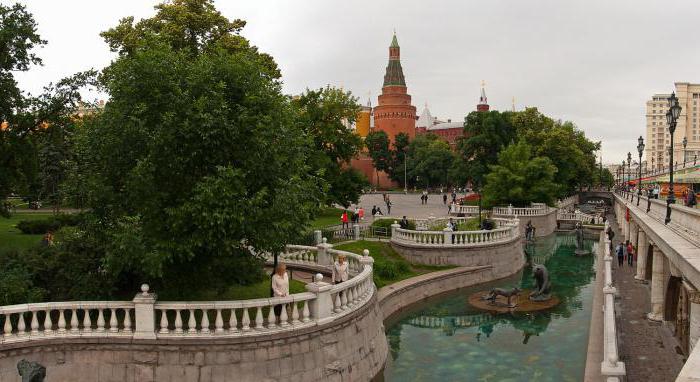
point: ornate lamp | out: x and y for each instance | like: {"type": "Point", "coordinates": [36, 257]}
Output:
{"type": "Point", "coordinates": [674, 111]}
{"type": "Point", "coordinates": [640, 149]}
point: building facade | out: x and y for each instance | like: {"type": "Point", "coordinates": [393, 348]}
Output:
{"type": "Point", "coordinates": [658, 139]}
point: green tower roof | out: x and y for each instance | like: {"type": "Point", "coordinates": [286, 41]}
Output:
{"type": "Point", "coordinates": [394, 42]}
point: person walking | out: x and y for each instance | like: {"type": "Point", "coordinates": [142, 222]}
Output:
{"type": "Point", "coordinates": [404, 223]}
{"type": "Point", "coordinates": [610, 234]}
{"type": "Point", "coordinates": [444, 199]}
{"type": "Point", "coordinates": [630, 254]}
{"type": "Point", "coordinates": [388, 206]}
{"type": "Point", "coordinates": [620, 255]}
{"type": "Point", "coordinates": [361, 213]}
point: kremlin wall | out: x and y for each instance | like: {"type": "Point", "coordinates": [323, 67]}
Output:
{"type": "Point", "coordinates": [395, 114]}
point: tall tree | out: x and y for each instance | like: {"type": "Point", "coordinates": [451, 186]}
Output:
{"type": "Point", "coordinates": [519, 178]}
{"type": "Point", "coordinates": [326, 116]}
{"type": "Point", "coordinates": [377, 143]}
{"type": "Point", "coordinates": [431, 159]}
{"type": "Point", "coordinates": [485, 135]}
{"type": "Point", "coordinates": [197, 157]}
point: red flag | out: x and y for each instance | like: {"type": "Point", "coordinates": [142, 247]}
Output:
{"type": "Point", "coordinates": [627, 214]}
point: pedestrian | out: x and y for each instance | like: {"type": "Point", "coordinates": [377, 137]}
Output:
{"type": "Point", "coordinates": [454, 197]}
{"type": "Point", "coordinates": [691, 200]}
{"type": "Point", "coordinates": [280, 285]}
{"type": "Point", "coordinates": [388, 206]}
{"type": "Point", "coordinates": [620, 255]}
{"type": "Point", "coordinates": [444, 199]}
{"type": "Point", "coordinates": [340, 270]}
{"type": "Point", "coordinates": [630, 254]}
{"type": "Point", "coordinates": [426, 197]}
{"type": "Point", "coordinates": [404, 223]}
{"type": "Point", "coordinates": [361, 213]}
{"type": "Point", "coordinates": [610, 234]}
{"type": "Point", "coordinates": [374, 210]}
{"type": "Point", "coordinates": [344, 219]}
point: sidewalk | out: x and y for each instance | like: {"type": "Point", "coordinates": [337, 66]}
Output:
{"type": "Point", "coordinates": [649, 349]}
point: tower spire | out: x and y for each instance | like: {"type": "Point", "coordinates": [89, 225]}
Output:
{"type": "Point", "coordinates": [483, 104]}
{"type": "Point", "coordinates": [394, 72]}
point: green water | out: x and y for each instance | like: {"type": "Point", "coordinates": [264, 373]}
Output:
{"type": "Point", "coordinates": [445, 339]}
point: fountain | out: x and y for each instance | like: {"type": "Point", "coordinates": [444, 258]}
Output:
{"type": "Point", "coordinates": [515, 300]}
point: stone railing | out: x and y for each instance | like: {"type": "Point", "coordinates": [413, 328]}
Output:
{"type": "Point", "coordinates": [567, 202]}
{"type": "Point", "coordinates": [685, 221]}
{"type": "Point", "coordinates": [147, 318]}
{"type": "Point", "coordinates": [507, 229]}
{"type": "Point", "coordinates": [456, 209]}
{"type": "Point", "coordinates": [425, 224]}
{"type": "Point", "coordinates": [579, 216]}
{"type": "Point", "coordinates": [535, 210]}
{"type": "Point", "coordinates": [80, 319]}
{"type": "Point", "coordinates": [611, 366]}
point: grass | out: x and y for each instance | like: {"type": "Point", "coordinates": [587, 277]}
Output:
{"type": "Point", "coordinates": [12, 238]}
{"type": "Point", "coordinates": [240, 292]}
{"type": "Point", "coordinates": [389, 266]}
{"type": "Point", "coordinates": [327, 216]}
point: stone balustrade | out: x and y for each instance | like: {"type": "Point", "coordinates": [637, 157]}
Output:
{"type": "Point", "coordinates": [568, 202]}
{"type": "Point", "coordinates": [26, 322]}
{"type": "Point", "coordinates": [579, 216]}
{"type": "Point", "coordinates": [536, 210]}
{"type": "Point", "coordinates": [685, 221]}
{"type": "Point", "coordinates": [611, 366]}
{"type": "Point", "coordinates": [146, 318]}
{"type": "Point", "coordinates": [456, 209]}
{"type": "Point", "coordinates": [507, 230]}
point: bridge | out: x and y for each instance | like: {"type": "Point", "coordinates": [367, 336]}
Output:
{"type": "Point", "coordinates": [668, 258]}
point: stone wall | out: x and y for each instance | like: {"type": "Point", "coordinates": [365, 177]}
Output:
{"type": "Point", "coordinates": [544, 224]}
{"type": "Point", "coordinates": [351, 348]}
{"type": "Point", "coordinates": [504, 258]}
{"type": "Point", "coordinates": [396, 297]}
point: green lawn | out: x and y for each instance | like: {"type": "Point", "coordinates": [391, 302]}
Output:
{"type": "Point", "coordinates": [327, 216]}
{"type": "Point", "coordinates": [12, 238]}
{"type": "Point", "coordinates": [389, 266]}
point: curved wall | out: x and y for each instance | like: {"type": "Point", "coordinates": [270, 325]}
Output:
{"type": "Point", "coordinates": [544, 224]}
{"type": "Point", "coordinates": [352, 348]}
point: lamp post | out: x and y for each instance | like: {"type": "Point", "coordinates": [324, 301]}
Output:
{"type": "Point", "coordinates": [674, 111]}
{"type": "Point", "coordinates": [622, 180]}
{"type": "Point", "coordinates": [685, 144]}
{"type": "Point", "coordinates": [640, 149]}
{"type": "Point", "coordinates": [629, 170]}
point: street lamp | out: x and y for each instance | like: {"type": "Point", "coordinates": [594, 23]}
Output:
{"type": "Point", "coordinates": [640, 149]}
{"type": "Point", "coordinates": [629, 170]}
{"type": "Point", "coordinates": [622, 179]}
{"type": "Point", "coordinates": [685, 144]}
{"type": "Point", "coordinates": [674, 111]}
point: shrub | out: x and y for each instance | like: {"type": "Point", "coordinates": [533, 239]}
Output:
{"type": "Point", "coordinates": [53, 223]}
{"type": "Point", "coordinates": [386, 223]}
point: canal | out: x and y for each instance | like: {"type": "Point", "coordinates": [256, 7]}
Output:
{"type": "Point", "coordinates": [445, 339]}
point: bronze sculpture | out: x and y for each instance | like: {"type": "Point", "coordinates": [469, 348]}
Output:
{"type": "Point", "coordinates": [543, 285]}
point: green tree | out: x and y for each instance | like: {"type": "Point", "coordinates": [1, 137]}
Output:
{"type": "Point", "coordinates": [399, 154]}
{"type": "Point", "coordinates": [377, 143]}
{"type": "Point", "coordinates": [197, 157]}
{"type": "Point", "coordinates": [325, 115]}
{"type": "Point", "coordinates": [431, 160]}
{"type": "Point", "coordinates": [520, 178]}
{"type": "Point", "coordinates": [485, 135]}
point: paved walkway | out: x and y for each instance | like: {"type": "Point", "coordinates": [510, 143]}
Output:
{"type": "Point", "coordinates": [409, 205]}
{"type": "Point", "coordinates": [649, 350]}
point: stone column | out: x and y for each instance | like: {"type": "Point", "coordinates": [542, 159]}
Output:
{"type": "Point", "coordinates": [321, 307]}
{"type": "Point", "coordinates": [633, 233]}
{"type": "Point", "coordinates": [694, 334]}
{"type": "Point", "coordinates": [318, 237]}
{"type": "Point", "coordinates": [657, 286]}
{"type": "Point", "coordinates": [356, 231]}
{"type": "Point", "coordinates": [626, 223]}
{"type": "Point", "coordinates": [144, 314]}
{"type": "Point", "coordinates": [324, 258]}
{"type": "Point", "coordinates": [643, 246]}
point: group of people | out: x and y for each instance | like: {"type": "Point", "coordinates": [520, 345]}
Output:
{"type": "Point", "coordinates": [346, 218]}
{"type": "Point", "coordinates": [387, 201]}
{"type": "Point", "coordinates": [626, 251]}
{"type": "Point", "coordinates": [424, 197]}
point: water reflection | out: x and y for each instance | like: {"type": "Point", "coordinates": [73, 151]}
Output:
{"type": "Point", "coordinates": [446, 339]}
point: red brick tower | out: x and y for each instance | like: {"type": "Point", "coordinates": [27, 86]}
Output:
{"type": "Point", "coordinates": [395, 114]}
{"type": "Point", "coordinates": [483, 104]}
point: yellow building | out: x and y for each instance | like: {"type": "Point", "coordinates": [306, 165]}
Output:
{"type": "Point", "coordinates": [363, 121]}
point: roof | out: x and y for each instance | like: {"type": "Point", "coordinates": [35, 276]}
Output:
{"type": "Point", "coordinates": [426, 119]}
{"type": "Point", "coordinates": [394, 42]}
{"type": "Point", "coordinates": [446, 125]}
{"type": "Point", "coordinates": [394, 74]}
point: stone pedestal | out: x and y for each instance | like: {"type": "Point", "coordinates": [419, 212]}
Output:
{"type": "Point", "coordinates": [657, 286]}
{"type": "Point", "coordinates": [324, 258]}
{"type": "Point", "coordinates": [642, 249]}
{"type": "Point", "coordinates": [144, 314]}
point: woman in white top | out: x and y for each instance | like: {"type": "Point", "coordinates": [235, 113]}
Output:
{"type": "Point", "coordinates": [280, 285]}
{"type": "Point", "coordinates": [340, 270]}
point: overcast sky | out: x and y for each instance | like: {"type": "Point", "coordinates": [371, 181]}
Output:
{"type": "Point", "coordinates": [593, 62]}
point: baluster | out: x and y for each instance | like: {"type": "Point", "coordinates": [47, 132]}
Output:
{"type": "Point", "coordinates": [73, 321]}
{"type": "Point", "coordinates": [178, 321]}
{"type": "Point", "coordinates": [127, 320]}
{"type": "Point", "coordinates": [232, 321]}
{"type": "Point", "coordinates": [259, 319]}
{"type": "Point", "coordinates": [245, 322]}
{"type": "Point", "coordinates": [219, 322]}
{"type": "Point", "coordinates": [113, 323]}
{"type": "Point", "coordinates": [21, 325]}
{"type": "Point", "coordinates": [271, 319]}
{"type": "Point", "coordinates": [191, 322]}
{"type": "Point", "coordinates": [343, 300]}
{"type": "Point", "coordinates": [205, 321]}
{"type": "Point", "coordinates": [100, 321]}
{"type": "Point", "coordinates": [305, 312]}
{"type": "Point", "coordinates": [336, 303]}
{"type": "Point", "coordinates": [61, 321]}
{"type": "Point", "coordinates": [284, 319]}
{"type": "Point", "coordinates": [163, 321]}
{"type": "Point", "coordinates": [35, 322]}
{"type": "Point", "coordinates": [87, 323]}
{"type": "Point", "coordinates": [295, 313]}
{"type": "Point", "coordinates": [7, 328]}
